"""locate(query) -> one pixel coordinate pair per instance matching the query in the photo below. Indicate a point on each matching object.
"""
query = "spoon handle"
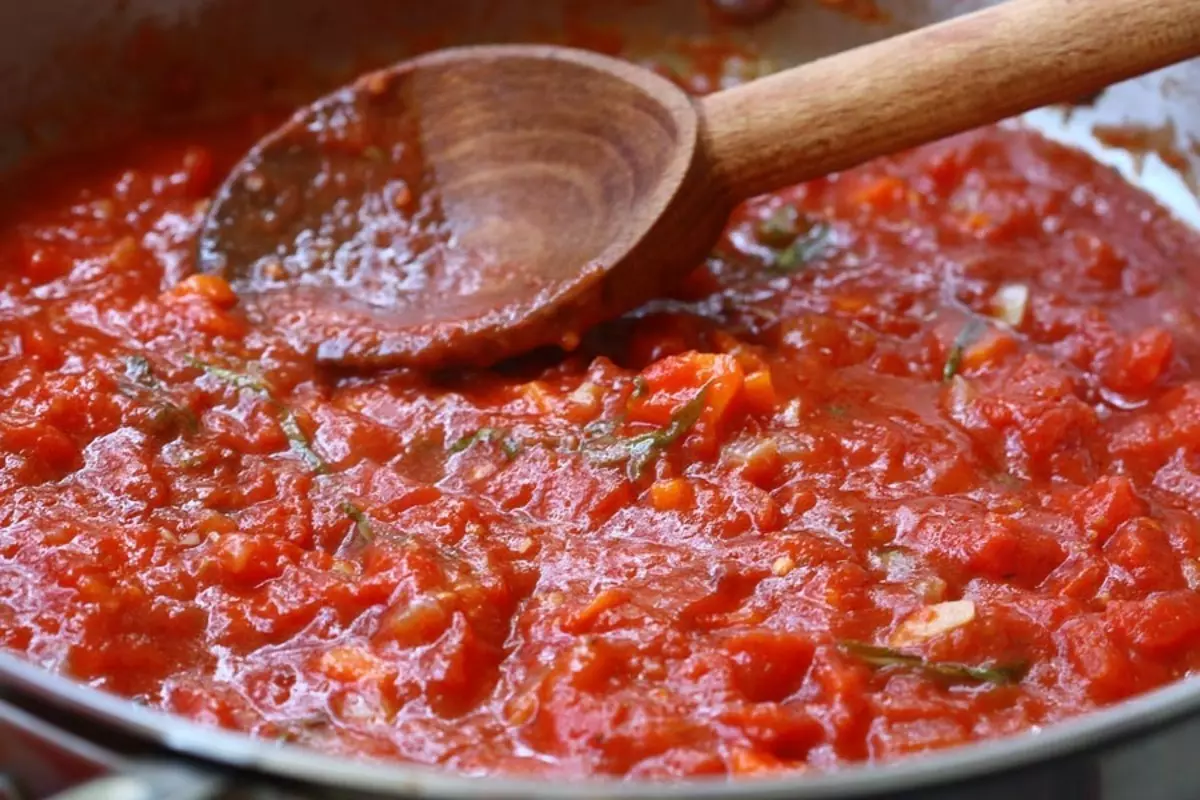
(840, 111)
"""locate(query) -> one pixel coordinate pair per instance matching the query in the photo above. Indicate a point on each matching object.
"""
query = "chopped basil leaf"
(637, 452)
(508, 445)
(238, 380)
(600, 428)
(362, 523)
(804, 249)
(877, 656)
(640, 387)
(298, 441)
(140, 380)
(969, 333)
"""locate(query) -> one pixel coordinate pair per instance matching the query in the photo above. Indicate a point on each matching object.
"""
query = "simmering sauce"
(912, 461)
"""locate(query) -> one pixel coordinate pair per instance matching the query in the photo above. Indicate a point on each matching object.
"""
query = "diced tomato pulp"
(920, 470)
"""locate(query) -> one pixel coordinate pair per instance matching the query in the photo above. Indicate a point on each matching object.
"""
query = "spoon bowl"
(464, 206)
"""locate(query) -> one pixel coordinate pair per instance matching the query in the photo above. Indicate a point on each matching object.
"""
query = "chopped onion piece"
(931, 621)
(587, 395)
(1010, 302)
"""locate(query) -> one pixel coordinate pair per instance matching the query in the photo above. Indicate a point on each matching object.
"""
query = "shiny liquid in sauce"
(912, 461)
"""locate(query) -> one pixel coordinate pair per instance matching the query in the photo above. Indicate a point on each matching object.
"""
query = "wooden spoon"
(473, 204)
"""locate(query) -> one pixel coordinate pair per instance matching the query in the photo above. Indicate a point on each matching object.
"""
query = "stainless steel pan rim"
(324, 773)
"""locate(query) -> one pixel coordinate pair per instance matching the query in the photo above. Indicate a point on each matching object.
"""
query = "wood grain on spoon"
(477, 203)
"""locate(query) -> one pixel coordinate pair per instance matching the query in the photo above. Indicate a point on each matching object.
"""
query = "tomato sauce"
(912, 461)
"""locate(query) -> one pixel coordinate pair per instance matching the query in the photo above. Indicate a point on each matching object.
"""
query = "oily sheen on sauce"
(911, 461)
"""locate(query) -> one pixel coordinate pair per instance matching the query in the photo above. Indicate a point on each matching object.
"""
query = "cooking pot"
(81, 71)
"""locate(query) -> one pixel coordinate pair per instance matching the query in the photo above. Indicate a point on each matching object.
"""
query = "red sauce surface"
(664, 555)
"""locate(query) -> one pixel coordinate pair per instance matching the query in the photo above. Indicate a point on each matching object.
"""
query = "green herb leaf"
(298, 440)
(804, 250)
(362, 523)
(640, 388)
(877, 656)
(508, 445)
(140, 380)
(238, 380)
(965, 338)
(683, 419)
(635, 452)
(638, 451)
(598, 429)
